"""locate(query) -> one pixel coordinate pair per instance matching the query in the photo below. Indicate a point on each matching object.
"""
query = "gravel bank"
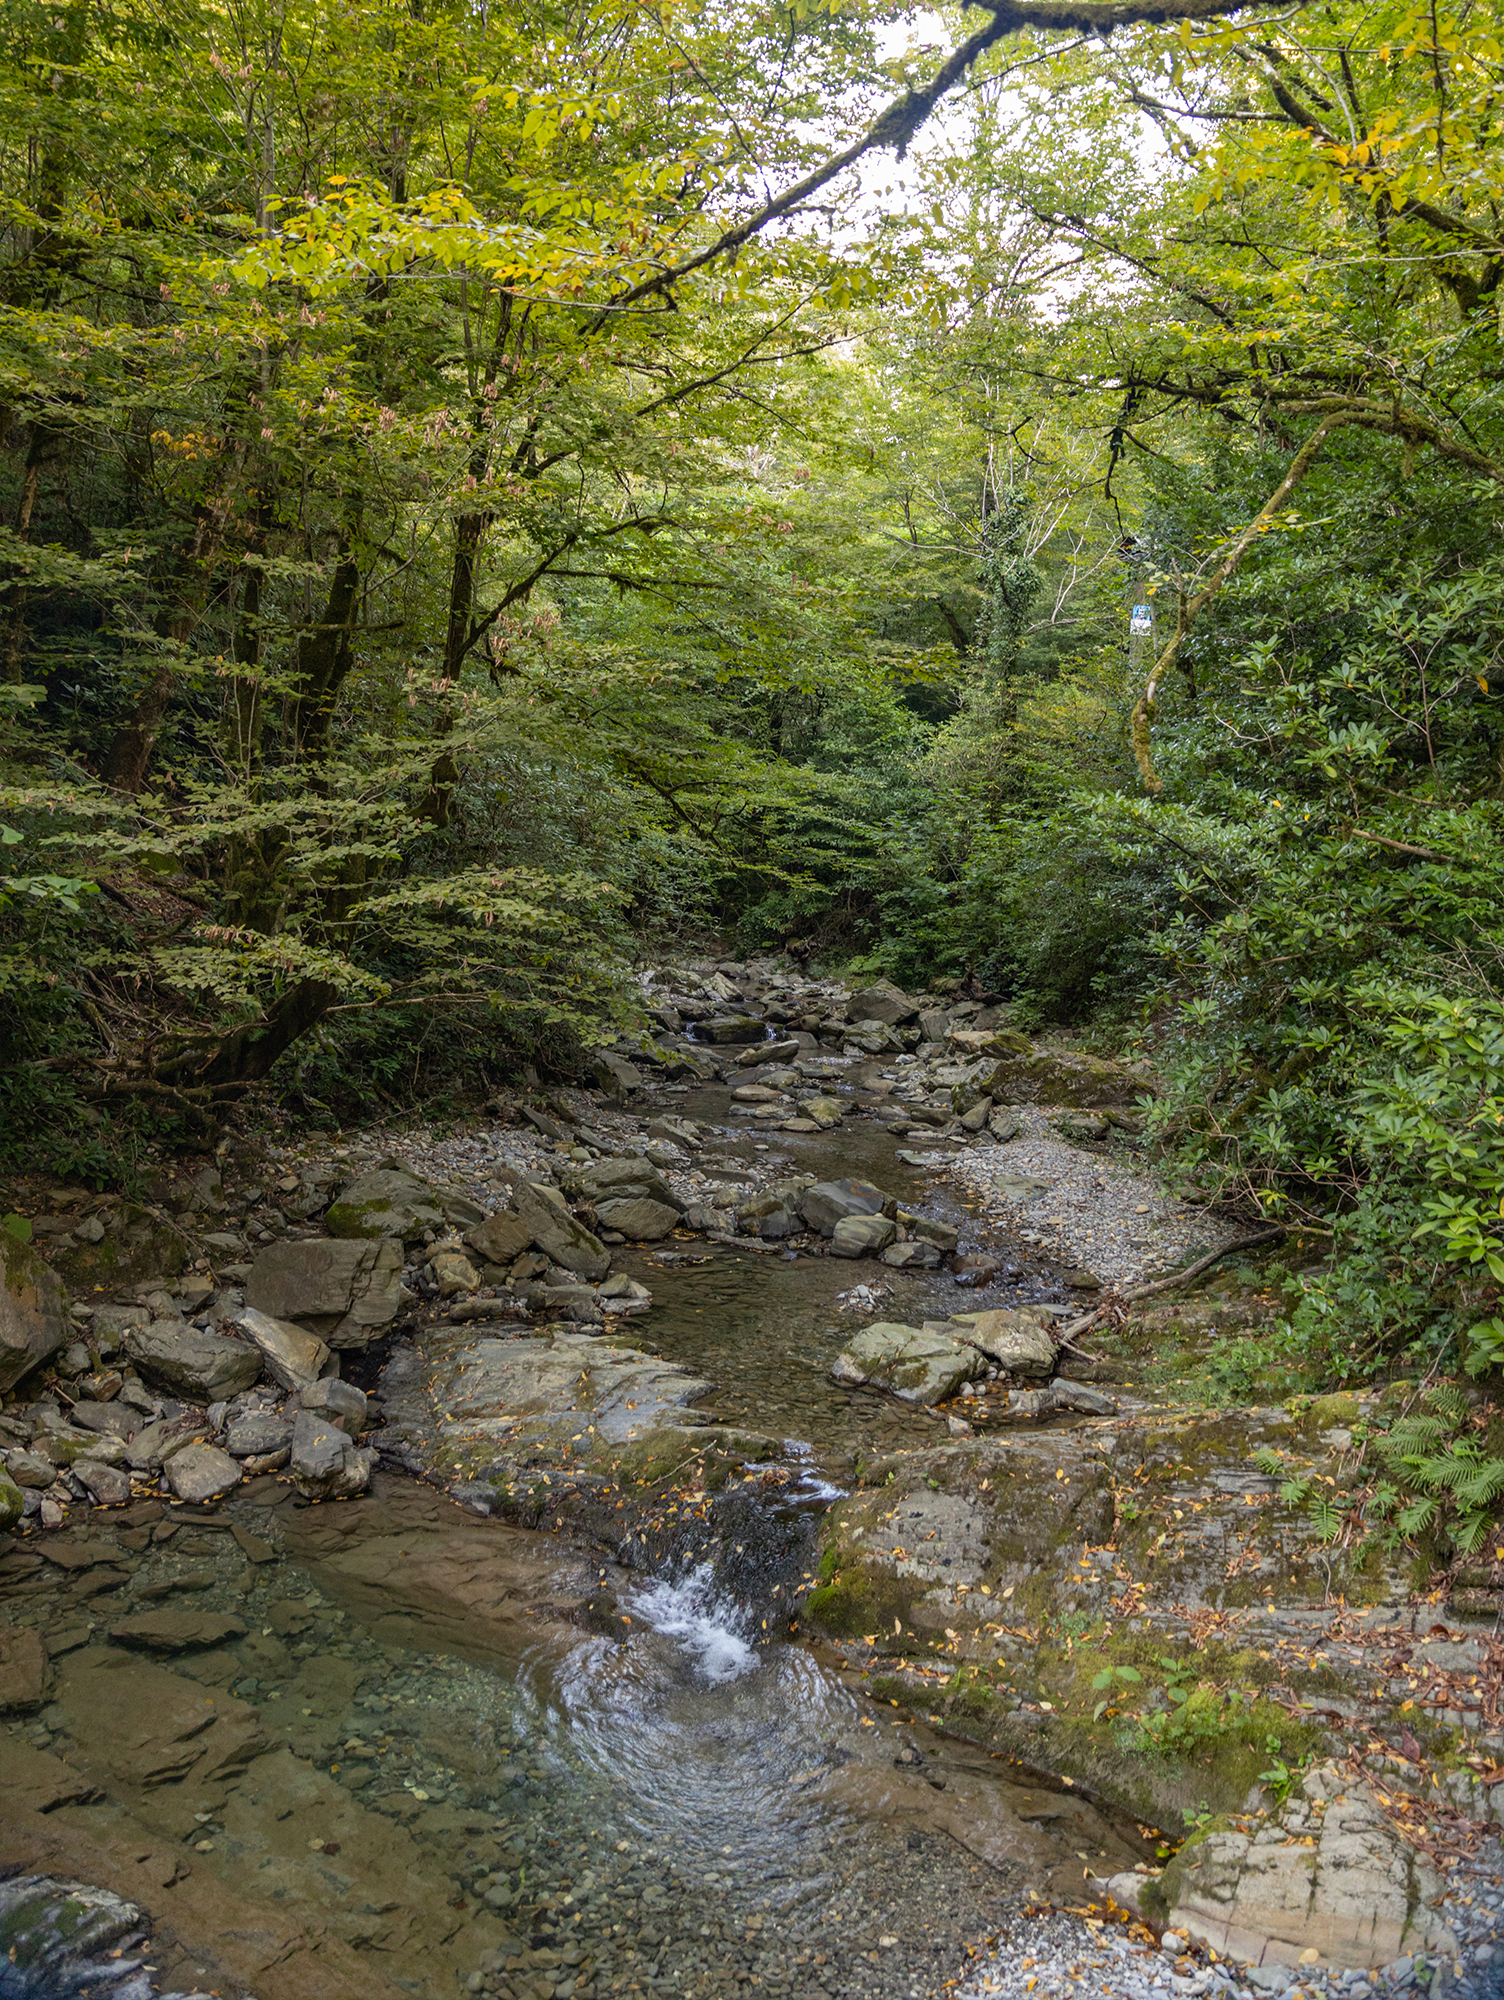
(1057, 1954)
(1090, 1208)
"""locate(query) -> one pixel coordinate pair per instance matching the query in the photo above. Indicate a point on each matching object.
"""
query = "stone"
(293, 1358)
(678, 1132)
(12, 1501)
(619, 1180)
(346, 1292)
(151, 1448)
(614, 1074)
(915, 1255)
(824, 1204)
(1003, 1126)
(884, 1002)
(734, 1028)
(988, 1041)
(1077, 1082)
(116, 1419)
(34, 1321)
(30, 1468)
(1126, 1889)
(110, 1322)
(326, 1462)
(257, 1433)
(391, 1202)
(341, 1402)
(23, 1667)
(1082, 1126)
(107, 1485)
(500, 1238)
(1081, 1397)
(201, 1472)
(452, 1271)
(176, 1631)
(825, 1112)
(639, 1220)
(768, 1052)
(861, 1235)
(1016, 1342)
(556, 1233)
(933, 1022)
(1360, 1896)
(66, 1937)
(201, 1367)
(974, 1119)
(138, 1244)
(918, 1364)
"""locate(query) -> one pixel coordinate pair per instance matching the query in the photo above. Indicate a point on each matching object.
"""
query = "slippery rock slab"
(293, 1358)
(344, 1292)
(23, 1668)
(556, 1233)
(918, 1364)
(34, 1321)
(201, 1367)
(201, 1472)
(568, 1380)
(176, 1631)
(1359, 1895)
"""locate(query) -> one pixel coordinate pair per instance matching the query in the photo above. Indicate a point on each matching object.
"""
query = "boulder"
(34, 1321)
(933, 1022)
(1341, 1882)
(176, 1631)
(64, 1937)
(259, 1433)
(1079, 1082)
(824, 1204)
(201, 1367)
(341, 1402)
(23, 1668)
(326, 1462)
(619, 1180)
(767, 1052)
(500, 1238)
(639, 1219)
(884, 1002)
(988, 1042)
(293, 1357)
(1017, 1342)
(452, 1271)
(345, 1292)
(614, 1074)
(825, 1112)
(918, 1364)
(106, 1485)
(201, 1472)
(861, 1235)
(915, 1255)
(556, 1233)
(135, 1244)
(150, 1449)
(12, 1501)
(29, 1468)
(734, 1028)
(391, 1202)
(1003, 1126)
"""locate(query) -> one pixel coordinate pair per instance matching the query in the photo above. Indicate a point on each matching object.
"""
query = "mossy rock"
(1327, 1411)
(137, 1244)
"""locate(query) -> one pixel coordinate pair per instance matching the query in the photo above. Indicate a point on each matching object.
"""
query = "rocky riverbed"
(950, 1628)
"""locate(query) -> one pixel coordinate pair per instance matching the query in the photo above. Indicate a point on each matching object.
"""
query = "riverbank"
(742, 1549)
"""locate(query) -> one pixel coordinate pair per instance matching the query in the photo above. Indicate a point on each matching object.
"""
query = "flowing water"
(481, 1780)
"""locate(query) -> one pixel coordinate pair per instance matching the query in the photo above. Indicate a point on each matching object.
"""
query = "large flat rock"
(917, 1364)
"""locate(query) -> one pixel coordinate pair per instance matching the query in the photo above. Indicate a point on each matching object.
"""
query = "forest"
(1011, 498)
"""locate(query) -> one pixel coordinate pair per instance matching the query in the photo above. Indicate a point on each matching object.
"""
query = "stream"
(480, 1785)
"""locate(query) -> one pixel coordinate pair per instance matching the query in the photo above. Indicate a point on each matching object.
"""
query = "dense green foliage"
(459, 532)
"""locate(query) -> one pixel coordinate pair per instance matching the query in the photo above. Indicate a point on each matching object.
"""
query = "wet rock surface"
(389, 1741)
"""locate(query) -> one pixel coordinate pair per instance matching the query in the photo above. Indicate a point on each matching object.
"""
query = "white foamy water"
(690, 1610)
